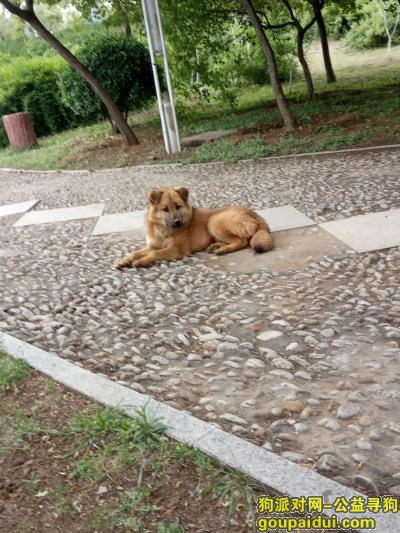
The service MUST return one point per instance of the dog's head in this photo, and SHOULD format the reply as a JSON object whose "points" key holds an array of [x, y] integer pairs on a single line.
{"points": [[170, 207]]}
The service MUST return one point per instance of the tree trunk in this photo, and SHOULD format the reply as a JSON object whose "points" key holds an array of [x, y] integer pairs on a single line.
{"points": [[287, 116], [290, 74], [128, 30], [330, 73], [383, 10], [304, 64], [112, 109], [125, 15]]}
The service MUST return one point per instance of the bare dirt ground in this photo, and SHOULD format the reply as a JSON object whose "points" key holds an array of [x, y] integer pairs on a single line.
{"points": [[54, 479]]}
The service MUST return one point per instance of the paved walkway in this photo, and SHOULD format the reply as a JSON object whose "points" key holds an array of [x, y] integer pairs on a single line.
{"points": [[304, 360]]}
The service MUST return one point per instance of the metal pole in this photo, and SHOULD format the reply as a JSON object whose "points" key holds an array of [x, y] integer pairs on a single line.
{"points": [[169, 82], [155, 75], [156, 42]]}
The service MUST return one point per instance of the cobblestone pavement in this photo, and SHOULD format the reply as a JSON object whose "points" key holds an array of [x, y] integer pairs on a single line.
{"points": [[304, 362]]}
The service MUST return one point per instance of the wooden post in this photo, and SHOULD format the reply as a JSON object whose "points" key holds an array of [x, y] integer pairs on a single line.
{"points": [[19, 130]]}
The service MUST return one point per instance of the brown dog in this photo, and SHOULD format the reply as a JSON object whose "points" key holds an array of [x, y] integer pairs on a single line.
{"points": [[175, 229]]}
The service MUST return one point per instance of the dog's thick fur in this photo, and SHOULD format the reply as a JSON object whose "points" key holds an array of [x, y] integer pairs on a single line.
{"points": [[175, 229]]}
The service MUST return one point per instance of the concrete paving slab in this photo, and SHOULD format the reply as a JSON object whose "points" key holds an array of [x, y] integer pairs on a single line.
{"points": [[276, 473], [367, 233], [13, 209], [279, 218], [120, 222], [294, 250], [9, 252], [285, 217], [49, 216], [207, 136]]}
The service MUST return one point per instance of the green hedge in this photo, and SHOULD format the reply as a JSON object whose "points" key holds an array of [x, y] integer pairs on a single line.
{"points": [[121, 64], [30, 84], [56, 97]]}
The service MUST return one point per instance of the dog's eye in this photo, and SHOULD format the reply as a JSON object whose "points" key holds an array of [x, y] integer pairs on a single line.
{"points": [[165, 209], [178, 206]]}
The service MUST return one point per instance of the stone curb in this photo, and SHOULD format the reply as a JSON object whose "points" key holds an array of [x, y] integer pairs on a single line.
{"points": [[55, 171], [196, 165], [278, 474]]}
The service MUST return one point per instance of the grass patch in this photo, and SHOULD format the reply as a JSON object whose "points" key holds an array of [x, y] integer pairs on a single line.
{"points": [[228, 151], [90, 468], [22, 428], [114, 441], [104, 422], [116, 444], [337, 142], [230, 119], [63, 504], [52, 152], [31, 482], [11, 371], [214, 483]]}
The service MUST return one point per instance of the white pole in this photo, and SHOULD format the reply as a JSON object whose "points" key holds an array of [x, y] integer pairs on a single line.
{"points": [[155, 74], [155, 39], [175, 134]]}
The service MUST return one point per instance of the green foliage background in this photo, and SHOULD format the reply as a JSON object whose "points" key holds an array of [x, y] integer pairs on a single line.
{"points": [[367, 28], [121, 65], [212, 51], [30, 84]]}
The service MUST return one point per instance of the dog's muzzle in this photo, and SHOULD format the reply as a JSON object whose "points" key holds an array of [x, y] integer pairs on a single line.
{"points": [[176, 223]]}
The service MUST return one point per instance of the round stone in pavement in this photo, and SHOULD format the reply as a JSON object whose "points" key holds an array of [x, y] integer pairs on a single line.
{"points": [[348, 410]]}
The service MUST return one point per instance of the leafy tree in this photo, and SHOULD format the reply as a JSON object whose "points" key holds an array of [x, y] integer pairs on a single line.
{"points": [[323, 35], [113, 13], [199, 36], [294, 15], [341, 7], [303, 14], [298, 11], [287, 115], [205, 39], [338, 17], [122, 66], [28, 15]]}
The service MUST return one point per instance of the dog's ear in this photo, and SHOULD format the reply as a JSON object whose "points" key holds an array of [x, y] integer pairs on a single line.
{"points": [[155, 196], [183, 193]]}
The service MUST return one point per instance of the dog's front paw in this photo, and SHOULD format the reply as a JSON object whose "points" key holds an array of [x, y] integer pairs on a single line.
{"points": [[141, 263], [123, 263], [220, 251], [214, 247]]}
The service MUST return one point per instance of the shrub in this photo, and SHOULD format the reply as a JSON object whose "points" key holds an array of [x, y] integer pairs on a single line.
{"points": [[121, 65], [30, 84], [368, 29]]}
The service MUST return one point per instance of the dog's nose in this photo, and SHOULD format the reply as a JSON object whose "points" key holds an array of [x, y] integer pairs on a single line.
{"points": [[176, 223]]}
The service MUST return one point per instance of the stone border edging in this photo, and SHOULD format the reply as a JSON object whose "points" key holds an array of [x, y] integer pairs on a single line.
{"points": [[55, 171], [209, 163], [269, 469]]}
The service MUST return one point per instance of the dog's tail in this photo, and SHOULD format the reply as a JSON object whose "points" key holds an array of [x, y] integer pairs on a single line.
{"points": [[262, 240]]}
